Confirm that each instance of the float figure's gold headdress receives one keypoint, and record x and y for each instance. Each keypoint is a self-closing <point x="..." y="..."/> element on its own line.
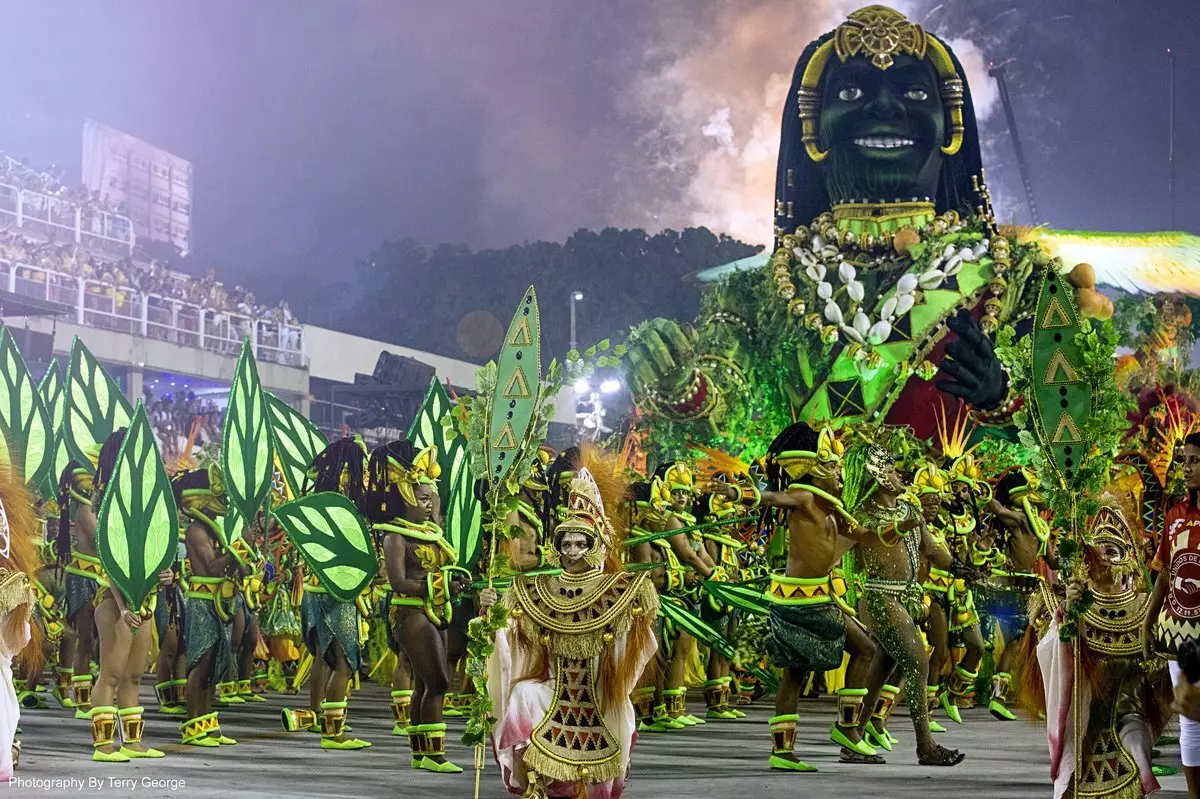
<point x="880" y="33"/>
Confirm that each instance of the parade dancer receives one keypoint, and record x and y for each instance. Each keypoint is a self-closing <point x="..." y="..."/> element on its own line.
<point x="586" y="634"/>
<point x="808" y="629"/>
<point x="420" y="568"/>
<point x="208" y="604"/>
<point x="330" y="627"/>
<point x="76" y="550"/>
<point x="123" y="653"/>
<point x="892" y="594"/>
<point x="20" y="644"/>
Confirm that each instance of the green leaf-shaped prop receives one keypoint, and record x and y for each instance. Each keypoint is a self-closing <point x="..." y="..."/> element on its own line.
<point x="694" y="626"/>
<point x="52" y="391"/>
<point x="296" y="441"/>
<point x="136" y="534"/>
<point x="510" y="408"/>
<point x="334" y="541"/>
<point x="247" y="458"/>
<point x="1062" y="398"/>
<point x="427" y="429"/>
<point x="462" y="513"/>
<point x="95" y="406"/>
<point x="26" y="439"/>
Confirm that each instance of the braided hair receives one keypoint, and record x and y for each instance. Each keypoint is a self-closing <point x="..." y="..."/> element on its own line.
<point x="796" y="436"/>
<point x="382" y="500"/>
<point x="106" y="465"/>
<point x="345" y="457"/>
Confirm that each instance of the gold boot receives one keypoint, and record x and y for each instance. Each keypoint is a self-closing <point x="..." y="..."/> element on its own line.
<point x="104" y="730"/>
<point x="401" y="705"/>
<point x="783" y="739"/>
<point x="435" y="747"/>
<point x="333" y="726"/>
<point x="131" y="733"/>
<point x="81" y="685"/>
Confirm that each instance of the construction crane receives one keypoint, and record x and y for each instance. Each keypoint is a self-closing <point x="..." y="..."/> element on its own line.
<point x="997" y="72"/>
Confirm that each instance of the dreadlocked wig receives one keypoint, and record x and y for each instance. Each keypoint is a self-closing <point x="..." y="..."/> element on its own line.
<point x="74" y="485"/>
<point x="383" y="500"/>
<point x="340" y="467"/>
<point x="106" y="465"/>
<point x="797" y="436"/>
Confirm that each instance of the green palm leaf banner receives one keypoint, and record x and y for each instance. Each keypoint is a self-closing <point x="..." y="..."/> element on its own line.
<point x="336" y="545"/>
<point x="136" y="533"/>
<point x="26" y="442"/>
<point x="231" y="526"/>
<point x="462" y="514"/>
<point x="518" y="381"/>
<point x="94" y="405"/>
<point x="743" y="596"/>
<point x="51" y="389"/>
<point x="694" y="626"/>
<point x="1062" y="398"/>
<point x="247" y="457"/>
<point x="295" y="439"/>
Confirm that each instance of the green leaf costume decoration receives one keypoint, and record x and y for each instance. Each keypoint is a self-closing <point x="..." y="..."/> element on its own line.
<point x="1062" y="398"/>
<point x="334" y="541"/>
<point x="247" y="457"/>
<point x="516" y="391"/>
<point x="462" y="512"/>
<point x="53" y="397"/>
<point x="426" y="428"/>
<point x="136" y="534"/>
<point x="95" y="406"/>
<point x="26" y="438"/>
<point x="296" y="441"/>
<point x="462" y="515"/>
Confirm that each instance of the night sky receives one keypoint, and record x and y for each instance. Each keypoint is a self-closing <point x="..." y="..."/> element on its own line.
<point x="320" y="129"/>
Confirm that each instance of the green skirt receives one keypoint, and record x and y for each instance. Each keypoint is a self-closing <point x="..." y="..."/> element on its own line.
<point x="325" y="620"/>
<point x="204" y="631"/>
<point x="806" y="637"/>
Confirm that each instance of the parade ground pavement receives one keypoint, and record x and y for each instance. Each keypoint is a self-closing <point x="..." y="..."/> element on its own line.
<point x="720" y="759"/>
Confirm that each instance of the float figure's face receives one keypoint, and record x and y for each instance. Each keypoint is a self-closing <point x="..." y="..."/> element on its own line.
<point x="883" y="129"/>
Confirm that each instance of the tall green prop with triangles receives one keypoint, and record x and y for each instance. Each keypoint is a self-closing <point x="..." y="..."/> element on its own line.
<point x="53" y="393"/>
<point x="513" y="398"/>
<point x="247" y="456"/>
<point x="1062" y="398"/>
<point x="25" y="439"/>
<point x="296" y="441"/>
<point x="462" y="512"/>
<point x="95" y="406"/>
<point x="136" y="530"/>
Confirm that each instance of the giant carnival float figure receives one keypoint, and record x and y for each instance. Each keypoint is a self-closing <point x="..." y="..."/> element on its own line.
<point x="888" y="269"/>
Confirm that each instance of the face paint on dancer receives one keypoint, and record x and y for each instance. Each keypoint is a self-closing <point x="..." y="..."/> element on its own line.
<point x="572" y="548"/>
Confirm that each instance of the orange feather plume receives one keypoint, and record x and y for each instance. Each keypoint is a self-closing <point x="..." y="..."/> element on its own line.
<point x="715" y="462"/>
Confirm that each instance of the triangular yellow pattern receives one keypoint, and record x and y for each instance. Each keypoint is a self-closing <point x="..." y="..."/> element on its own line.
<point x="1066" y="432"/>
<point x="521" y="335"/>
<point x="1055" y="316"/>
<point x="507" y="438"/>
<point x="1060" y="364"/>
<point x="517" y="386"/>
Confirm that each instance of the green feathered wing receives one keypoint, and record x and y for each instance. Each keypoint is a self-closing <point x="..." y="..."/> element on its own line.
<point x="336" y="545"/>
<point x="515" y="395"/>
<point x="1062" y="398"/>
<point x="295" y="439"/>
<point x="247" y="457"/>
<point x="53" y="393"/>
<point x="136" y="534"/>
<point x="26" y="441"/>
<point x="94" y="406"/>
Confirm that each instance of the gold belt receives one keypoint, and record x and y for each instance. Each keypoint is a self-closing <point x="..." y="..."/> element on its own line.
<point x="939" y="581"/>
<point x="86" y="566"/>
<point x="221" y="590"/>
<point x="800" y="591"/>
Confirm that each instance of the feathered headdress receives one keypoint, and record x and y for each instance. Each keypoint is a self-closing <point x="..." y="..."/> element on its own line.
<point x="585" y="514"/>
